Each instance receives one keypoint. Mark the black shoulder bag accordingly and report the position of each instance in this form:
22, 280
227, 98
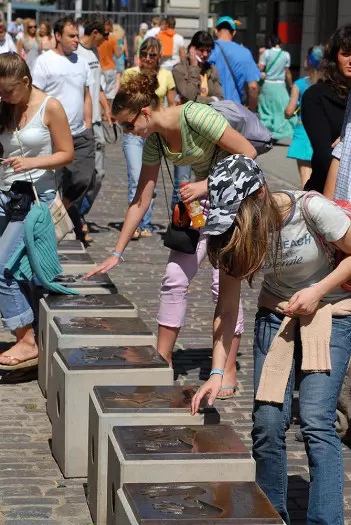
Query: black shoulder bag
179, 235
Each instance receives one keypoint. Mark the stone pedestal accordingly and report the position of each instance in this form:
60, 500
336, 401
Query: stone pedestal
112, 305
123, 407
76, 262
75, 371
166, 454
190, 503
70, 247
73, 332
98, 284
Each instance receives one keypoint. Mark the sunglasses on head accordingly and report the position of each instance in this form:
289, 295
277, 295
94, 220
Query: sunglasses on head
32, 27
129, 126
145, 54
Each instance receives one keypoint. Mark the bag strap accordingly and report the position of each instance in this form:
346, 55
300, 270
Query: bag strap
163, 156
274, 61
19, 140
230, 70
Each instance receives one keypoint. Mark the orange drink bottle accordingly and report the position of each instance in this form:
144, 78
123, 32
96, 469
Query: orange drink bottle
194, 211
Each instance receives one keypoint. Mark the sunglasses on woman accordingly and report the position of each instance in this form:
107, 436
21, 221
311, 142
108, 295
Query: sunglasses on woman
129, 126
145, 54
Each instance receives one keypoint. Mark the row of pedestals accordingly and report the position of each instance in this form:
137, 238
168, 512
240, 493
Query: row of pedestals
119, 420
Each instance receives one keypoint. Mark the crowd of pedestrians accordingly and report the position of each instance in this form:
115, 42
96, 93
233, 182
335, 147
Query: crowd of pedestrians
60, 86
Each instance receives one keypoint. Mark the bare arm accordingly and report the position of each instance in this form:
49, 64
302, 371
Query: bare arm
136, 211
171, 97
291, 107
56, 120
182, 53
126, 47
225, 317
19, 47
288, 77
233, 142
88, 109
330, 183
253, 95
105, 106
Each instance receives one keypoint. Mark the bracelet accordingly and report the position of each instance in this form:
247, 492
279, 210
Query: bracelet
217, 371
119, 255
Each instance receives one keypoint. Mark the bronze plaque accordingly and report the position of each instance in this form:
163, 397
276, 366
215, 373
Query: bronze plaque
237, 503
89, 302
132, 399
102, 326
75, 258
106, 357
180, 442
76, 280
70, 245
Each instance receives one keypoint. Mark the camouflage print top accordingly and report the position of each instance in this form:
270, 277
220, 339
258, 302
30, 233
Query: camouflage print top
201, 127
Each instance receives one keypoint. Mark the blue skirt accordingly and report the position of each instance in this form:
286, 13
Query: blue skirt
300, 147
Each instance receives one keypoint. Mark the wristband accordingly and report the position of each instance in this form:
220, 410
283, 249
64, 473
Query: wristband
217, 371
119, 255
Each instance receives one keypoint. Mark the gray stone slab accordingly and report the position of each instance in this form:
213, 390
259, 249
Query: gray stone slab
237, 503
76, 263
75, 371
126, 406
72, 332
183, 453
73, 246
107, 305
100, 282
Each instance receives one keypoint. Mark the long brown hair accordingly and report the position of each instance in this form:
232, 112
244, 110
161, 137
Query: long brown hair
12, 68
242, 250
137, 92
341, 39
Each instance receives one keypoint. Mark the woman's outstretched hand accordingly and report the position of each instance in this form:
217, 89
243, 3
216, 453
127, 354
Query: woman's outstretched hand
105, 266
210, 388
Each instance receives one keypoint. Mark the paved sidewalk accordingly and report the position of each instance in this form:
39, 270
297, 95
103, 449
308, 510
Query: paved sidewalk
32, 490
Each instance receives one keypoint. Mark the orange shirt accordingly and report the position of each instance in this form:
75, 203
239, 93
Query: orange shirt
106, 52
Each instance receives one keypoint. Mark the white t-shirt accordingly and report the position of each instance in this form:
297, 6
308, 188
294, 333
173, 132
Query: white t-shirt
154, 31
7, 45
66, 79
92, 57
303, 260
178, 42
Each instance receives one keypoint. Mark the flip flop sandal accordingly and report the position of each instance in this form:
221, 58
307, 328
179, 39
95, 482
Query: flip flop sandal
22, 364
229, 396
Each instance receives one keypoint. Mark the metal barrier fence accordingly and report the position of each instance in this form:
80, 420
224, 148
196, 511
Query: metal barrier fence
186, 24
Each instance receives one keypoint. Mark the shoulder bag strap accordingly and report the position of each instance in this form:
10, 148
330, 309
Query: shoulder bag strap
274, 61
163, 156
230, 69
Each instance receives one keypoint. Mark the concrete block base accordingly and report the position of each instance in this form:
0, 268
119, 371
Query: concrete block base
74, 374
124, 407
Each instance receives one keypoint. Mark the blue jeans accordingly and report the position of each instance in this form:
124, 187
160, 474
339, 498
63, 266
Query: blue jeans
319, 393
15, 304
181, 174
133, 151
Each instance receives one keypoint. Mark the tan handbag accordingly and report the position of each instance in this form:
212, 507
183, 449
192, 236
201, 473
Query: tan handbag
60, 218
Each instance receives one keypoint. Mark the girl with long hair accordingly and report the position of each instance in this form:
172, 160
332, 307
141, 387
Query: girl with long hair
302, 307
46, 38
192, 134
29, 47
150, 55
300, 147
323, 105
35, 140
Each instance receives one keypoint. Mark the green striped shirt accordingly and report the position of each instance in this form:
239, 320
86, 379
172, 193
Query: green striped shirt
201, 127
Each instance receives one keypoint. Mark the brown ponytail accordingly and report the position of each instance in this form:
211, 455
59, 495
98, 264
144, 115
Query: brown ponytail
137, 92
14, 69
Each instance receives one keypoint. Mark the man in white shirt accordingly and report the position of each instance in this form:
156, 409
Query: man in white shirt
64, 74
173, 46
6, 43
94, 35
156, 28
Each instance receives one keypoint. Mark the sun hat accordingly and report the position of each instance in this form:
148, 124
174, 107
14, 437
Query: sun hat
231, 180
227, 19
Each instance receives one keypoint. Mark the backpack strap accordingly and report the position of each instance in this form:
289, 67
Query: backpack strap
230, 70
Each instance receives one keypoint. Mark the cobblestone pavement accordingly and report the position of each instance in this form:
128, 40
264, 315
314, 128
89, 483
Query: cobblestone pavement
32, 489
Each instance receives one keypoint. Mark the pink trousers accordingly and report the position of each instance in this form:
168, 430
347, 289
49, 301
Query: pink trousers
180, 271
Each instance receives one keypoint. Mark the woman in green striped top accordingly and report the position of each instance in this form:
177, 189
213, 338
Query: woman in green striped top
189, 135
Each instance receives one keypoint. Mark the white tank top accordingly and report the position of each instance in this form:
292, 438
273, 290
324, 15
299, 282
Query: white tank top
36, 141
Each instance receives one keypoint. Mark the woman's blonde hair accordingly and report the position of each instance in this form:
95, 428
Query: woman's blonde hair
14, 69
137, 92
118, 32
242, 250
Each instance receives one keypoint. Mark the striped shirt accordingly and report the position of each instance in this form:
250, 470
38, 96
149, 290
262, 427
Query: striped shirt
201, 127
